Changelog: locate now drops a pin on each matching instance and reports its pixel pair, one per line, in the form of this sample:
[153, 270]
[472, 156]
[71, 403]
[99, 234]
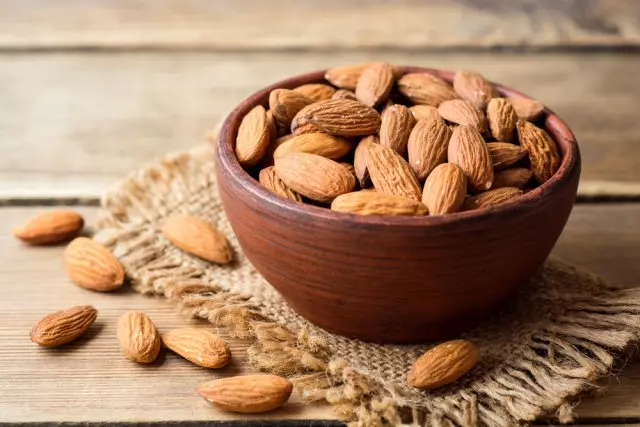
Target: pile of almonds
[375, 141]
[92, 266]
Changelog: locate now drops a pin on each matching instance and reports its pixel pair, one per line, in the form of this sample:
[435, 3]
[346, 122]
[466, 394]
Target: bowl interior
[553, 124]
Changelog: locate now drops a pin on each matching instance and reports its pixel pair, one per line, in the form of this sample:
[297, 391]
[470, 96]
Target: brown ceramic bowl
[394, 279]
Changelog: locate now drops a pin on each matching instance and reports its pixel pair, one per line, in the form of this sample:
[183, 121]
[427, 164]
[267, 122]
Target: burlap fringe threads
[559, 361]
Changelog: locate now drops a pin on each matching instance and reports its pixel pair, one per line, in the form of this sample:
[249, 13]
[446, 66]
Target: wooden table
[92, 90]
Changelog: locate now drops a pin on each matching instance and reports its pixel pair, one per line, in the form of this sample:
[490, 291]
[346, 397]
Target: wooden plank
[331, 24]
[74, 122]
[91, 381]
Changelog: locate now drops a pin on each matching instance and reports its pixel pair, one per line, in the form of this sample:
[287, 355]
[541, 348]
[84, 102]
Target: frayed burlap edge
[522, 391]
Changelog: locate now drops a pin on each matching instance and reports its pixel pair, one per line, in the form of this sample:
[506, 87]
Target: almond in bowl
[405, 205]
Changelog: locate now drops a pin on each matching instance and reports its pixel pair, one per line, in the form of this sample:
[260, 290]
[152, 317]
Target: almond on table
[92, 266]
[54, 226]
[63, 326]
[247, 394]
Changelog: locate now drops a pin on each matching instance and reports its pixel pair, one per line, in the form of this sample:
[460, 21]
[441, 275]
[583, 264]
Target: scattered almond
[248, 394]
[445, 189]
[443, 364]
[491, 197]
[313, 176]
[316, 91]
[502, 119]
[526, 108]
[341, 117]
[198, 346]
[285, 104]
[468, 150]
[322, 144]
[505, 154]
[515, 177]
[138, 337]
[271, 182]
[254, 137]
[543, 153]
[92, 266]
[397, 123]
[197, 237]
[54, 226]
[374, 84]
[63, 326]
[473, 87]
[390, 173]
[374, 203]
[463, 112]
[428, 144]
[425, 88]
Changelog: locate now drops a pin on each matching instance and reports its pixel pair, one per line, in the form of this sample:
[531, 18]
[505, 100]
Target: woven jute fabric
[563, 331]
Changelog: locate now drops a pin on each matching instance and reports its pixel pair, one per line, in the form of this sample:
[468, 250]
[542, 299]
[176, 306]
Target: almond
[285, 104]
[254, 136]
[316, 91]
[197, 237]
[271, 182]
[341, 117]
[50, 227]
[390, 173]
[322, 144]
[425, 88]
[306, 128]
[63, 326]
[473, 87]
[346, 77]
[138, 337]
[273, 127]
[445, 189]
[425, 112]
[344, 94]
[360, 160]
[349, 167]
[504, 154]
[313, 176]
[491, 197]
[443, 364]
[527, 108]
[92, 266]
[428, 144]
[468, 150]
[374, 84]
[515, 177]
[247, 394]
[397, 122]
[198, 346]
[373, 203]
[463, 112]
[502, 119]
[543, 153]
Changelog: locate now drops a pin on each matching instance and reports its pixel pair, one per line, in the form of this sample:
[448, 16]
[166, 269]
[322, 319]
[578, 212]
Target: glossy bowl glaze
[394, 279]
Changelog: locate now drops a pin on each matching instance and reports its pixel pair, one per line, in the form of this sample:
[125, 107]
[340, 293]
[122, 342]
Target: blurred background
[92, 89]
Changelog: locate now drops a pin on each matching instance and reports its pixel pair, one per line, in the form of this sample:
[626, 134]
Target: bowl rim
[226, 160]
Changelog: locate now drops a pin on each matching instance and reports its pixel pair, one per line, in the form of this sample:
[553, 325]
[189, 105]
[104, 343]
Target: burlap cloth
[554, 340]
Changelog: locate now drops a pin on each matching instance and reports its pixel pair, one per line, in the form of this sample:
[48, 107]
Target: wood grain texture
[250, 24]
[74, 123]
[91, 381]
